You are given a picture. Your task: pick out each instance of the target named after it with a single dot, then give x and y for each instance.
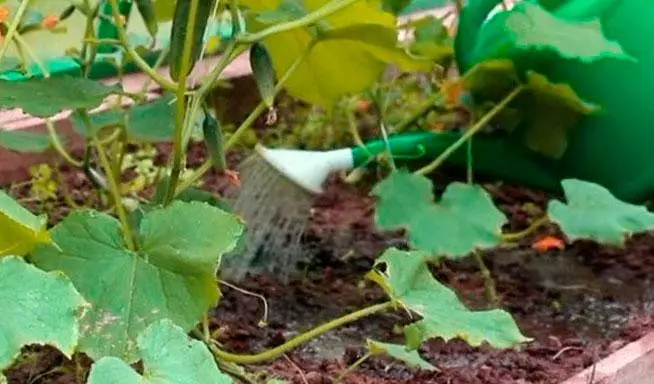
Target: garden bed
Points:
(579, 304)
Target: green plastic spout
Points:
(493, 157)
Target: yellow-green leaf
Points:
(546, 110)
(20, 230)
(492, 79)
(355, 45)
(552, 111)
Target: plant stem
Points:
(428, 104)
(352, 126)
(115, 194)
(491, 291)
(13, 27)
(300, 339)
(138, 60)
(313, 17)
(264, 318)
(30, 53)
(65, 192)
(226, 58)
(58, 146)
(352, 367)
(200, 95)
(180, 110)
(86, 59)
(517, 236)
(233, 139)
(470, 132)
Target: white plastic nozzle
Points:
(308, 169)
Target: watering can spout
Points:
(308, 169)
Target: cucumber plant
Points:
(130, 284)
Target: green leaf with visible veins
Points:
(46, 97)
(169, 356)
(152, 122)
(400, 352)
(592, 212)
(37, 308)
(528, 29)
(172, 275)
(353, 48)
(408, 281)
(463, 220)
(24, 141)
(21, 230)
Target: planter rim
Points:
(631, 364)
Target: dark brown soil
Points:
(579, 304)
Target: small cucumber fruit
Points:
(178, 34)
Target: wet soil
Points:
(578, 304)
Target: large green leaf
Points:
(21, 230)
(169, 356)
(529, 28)
(408, 281)
(463, 220)
(400, 352)
(592, 212)
(23, 141)
(172, 276)
(151, 122)
(46, 97)
(37, 308)
(355, 46)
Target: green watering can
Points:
(613, 148)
